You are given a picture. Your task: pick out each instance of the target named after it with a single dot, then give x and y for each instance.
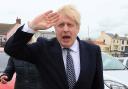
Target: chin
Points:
(66, 45)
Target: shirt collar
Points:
(75, 46)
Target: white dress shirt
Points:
(75, 56)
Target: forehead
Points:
(65, 19)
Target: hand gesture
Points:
(44, 21)
(3, 79)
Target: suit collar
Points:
(84, 57)
(57, 50)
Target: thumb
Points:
(5, 77)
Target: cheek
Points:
(58, 33)
(75, 32)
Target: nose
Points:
(66, 28)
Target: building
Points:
(113, 44)
(45, 34)
(6, 31)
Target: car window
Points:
(110, 63)
(127, 63)
(3, 61)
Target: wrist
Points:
(31, 26)
(27, 29)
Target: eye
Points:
(61, 25)
(70, 25)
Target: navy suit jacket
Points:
(47, 56)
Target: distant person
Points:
(27, 76)
(64, 62)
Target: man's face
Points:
(66, 31)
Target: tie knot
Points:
(67, 49)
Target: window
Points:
(122, 41)
(122, 48)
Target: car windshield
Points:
(3, 61)
(110, 63)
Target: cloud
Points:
(108, 15)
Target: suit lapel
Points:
(57, 54)
(84, 57)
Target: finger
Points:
(3, 81)
(52, 23)
(53, 15)
(48, 12)
(44, 15)
(55, 21)
(4, 77)
(54, 18)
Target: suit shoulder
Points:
(39, 39)
(91, 48)
(90, 45)
(43, 40)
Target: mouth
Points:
(66, 38)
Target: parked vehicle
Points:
(121, 58)
(125, 62)
(115, 73)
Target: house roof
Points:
(110, 34)
(4, 28)
(123, 38)
(116, 36)
(12, 30)
(99, 42)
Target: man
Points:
(65, 62)
(27, 76)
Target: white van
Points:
(115, 73)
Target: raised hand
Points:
(44, 21)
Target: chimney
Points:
(18, 21)
(102, 32)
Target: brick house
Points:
(6, 31)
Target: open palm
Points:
(44, 21)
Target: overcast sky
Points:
(110, 16)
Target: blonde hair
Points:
(71, 12)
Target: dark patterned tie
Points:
(70, 70)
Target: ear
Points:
(78, 28)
